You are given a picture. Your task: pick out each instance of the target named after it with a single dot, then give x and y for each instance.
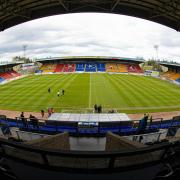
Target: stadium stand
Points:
(59, 68)
(69, 68)
(175, 76)
(38, 71)
(46, 68)
(122, 68)
(101, 67)
(80, 67)
(14, 73)
(178, 80)
(90, 67)
(166, 74)
(134, 68)
(6, 75)
(56, 142)
(111, 67)
(171, 76)
(9, 75)
(1, 79)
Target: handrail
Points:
(110, 156)
(99, 154)
(74, 129)
(134, 121)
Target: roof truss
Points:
(166, 12)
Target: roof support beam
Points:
(97, 6)
(162, 11)
(114, 5)
(11, 8)
(22, 15)
(63, 5)
(169, 7)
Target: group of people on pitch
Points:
(58, 93)
(97, 109)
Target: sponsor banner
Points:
(151, 73)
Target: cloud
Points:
(90, 34)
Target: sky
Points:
(90, 34)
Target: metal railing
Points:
(109, 159)
(122, 128)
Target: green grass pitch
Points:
(125, 93)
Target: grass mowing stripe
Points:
(127, 93)
(140, 93)
(147, 91)
(109, 94)
(126, 101)
(78, 93)
(49, 96)
(60, 85)
(132, 91)
(101, 90)
(90, 90)
(25, 102)
(153, 95)
(161, 95)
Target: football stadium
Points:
(89, 116)
(115, 84)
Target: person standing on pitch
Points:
(95, 108)
(52, 110)
(49, 112)
(63, 91)
(24, 120)
(100, 109)
(42, 113)
(58, 93)
(49, 90)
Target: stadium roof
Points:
(9, 63)
(166, 12)
(139, 60)
(169, 64)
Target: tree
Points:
(21, 59)
(153, 65)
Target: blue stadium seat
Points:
(178, 80)
(106, 129)
(67, 129)
(80, 67)
(1, 79)
(2, 121)
(38, 71)
(127, 131)
(90, 67)
(101, 67)
(48, 128)
(88, 131)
